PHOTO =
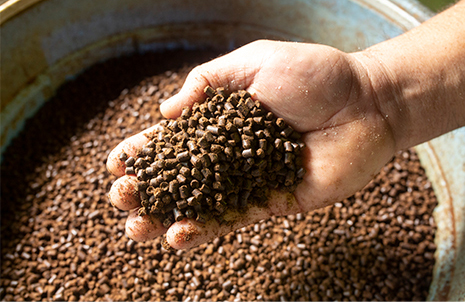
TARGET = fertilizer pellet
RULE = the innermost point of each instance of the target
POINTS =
(62, 240)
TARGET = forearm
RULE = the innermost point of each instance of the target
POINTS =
(419, 78)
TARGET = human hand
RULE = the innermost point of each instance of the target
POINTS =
(321, 92)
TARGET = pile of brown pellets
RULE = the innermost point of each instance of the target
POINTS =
(223, 153)
(62, 240)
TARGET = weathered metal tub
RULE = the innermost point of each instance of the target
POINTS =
(46, 42)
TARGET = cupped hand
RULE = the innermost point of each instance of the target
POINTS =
(323, 93)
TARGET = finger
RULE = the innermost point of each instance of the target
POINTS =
(189, 233)
(130, 146)
(143, 228)
(124, 194)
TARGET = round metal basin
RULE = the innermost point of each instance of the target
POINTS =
(46, 42)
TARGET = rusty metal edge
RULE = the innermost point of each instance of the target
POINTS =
(11, 8)
(445, 237)
(403, 13)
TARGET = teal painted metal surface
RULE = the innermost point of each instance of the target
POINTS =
(444, 161)
(49, 41)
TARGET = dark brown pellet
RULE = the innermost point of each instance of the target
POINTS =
(219, 206)
(288, 146)
(247, 143)
(213, 156)
(184, 192)
(130, 171)
(203, 142)
(192, 201)
(248, 131)
(164, 186)
(196, 161)
(168, 222)
(194, 184)
(205, 189)
(205, 160)
(141, 175)
(222, 121)
(300, 173)
(221, 140)
(183, 156)
(168, 205)
(209, 91)
(260, 134)
(181, 204)
(207, 175)
(190, 213)
(280, 123)
(174, 185)
(130, 161)
(228, 106)
(178, 215)
(216, 149)
(248, 153)
(228, 151)
(287, 132)
(150, 171)
(168, 152)
(201, 218)
(150, 190)
(160, 164)
(213, 129)
(196, 174)
(218, 185)
(209, 136)
(197, 194)
(184, 171)
(123, 156)
(278, 144)
(140, 163)
(288, 157)
(181, 179)
(146, 152)
(186, 112)
(170, 163)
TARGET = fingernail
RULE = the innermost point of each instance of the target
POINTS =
(143, 228)
(123, 193)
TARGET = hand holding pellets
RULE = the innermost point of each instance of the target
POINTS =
(315, 89)
(224, 153)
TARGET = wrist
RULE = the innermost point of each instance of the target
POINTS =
(385, 93)
(418, 78)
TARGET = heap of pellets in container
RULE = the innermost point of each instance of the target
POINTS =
(223, 154)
